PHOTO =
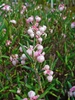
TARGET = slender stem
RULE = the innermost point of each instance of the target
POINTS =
(38, 78)
(51, 3)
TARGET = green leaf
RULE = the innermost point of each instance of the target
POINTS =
(28, 86)
(18, 97)
(28, 68)
(3, 56)
(5, 88)
(12, 91)
(47, 90)
(69, 84)
(54, 63)
(53, 94)
(59, 55)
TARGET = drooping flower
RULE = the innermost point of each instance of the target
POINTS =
(30, 31)
(46, 67)
(72, 89)
(30, 19)
(14, 59)
(50, 78)
(61, 7)
(38, 19)
(13, 21)
(39, 47)
(30, 50)
(40, 58)
(40, 40)
(23, 57)
(31, 94)
(8, 42)
(73, 25)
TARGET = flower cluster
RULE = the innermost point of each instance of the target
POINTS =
(35, 52)
(32, 96)
(14, 59)
(48, 72)
(23, 58)
(36, 30)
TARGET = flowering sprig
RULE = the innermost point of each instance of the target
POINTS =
(48, 72)
(32, 96)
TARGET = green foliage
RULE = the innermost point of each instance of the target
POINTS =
(59, 48)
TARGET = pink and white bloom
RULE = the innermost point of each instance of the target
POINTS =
(40, 40)
(30, 31)
(30, 50)
(34, 27)
(72, 89)
(23, 57)
(8, 42)
(38, 33)
(40, 58)
(50, 78)
(30, 19)
(13, 21)
(32, 35)
(64, 17)
(73, 25)
(20, 49)
(39, 47)
(42, 28)
(37, 53)
(14, 62)
(38, 19)
(14, 59)
(23, 9)
(61, 7)
(6, 8)
(31, 94)
(49, 72)
(34, 97)
(46, 67)
(22, 62)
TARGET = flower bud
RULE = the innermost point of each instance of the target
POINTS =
(39, 47)
(14, 62)
(38, 19)
(31, 94)
(22, 62)
(38, 33)
(40, 58)
(23, 56)
(32, 35)
(49, 78)
(30, 31)
(40, 39)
